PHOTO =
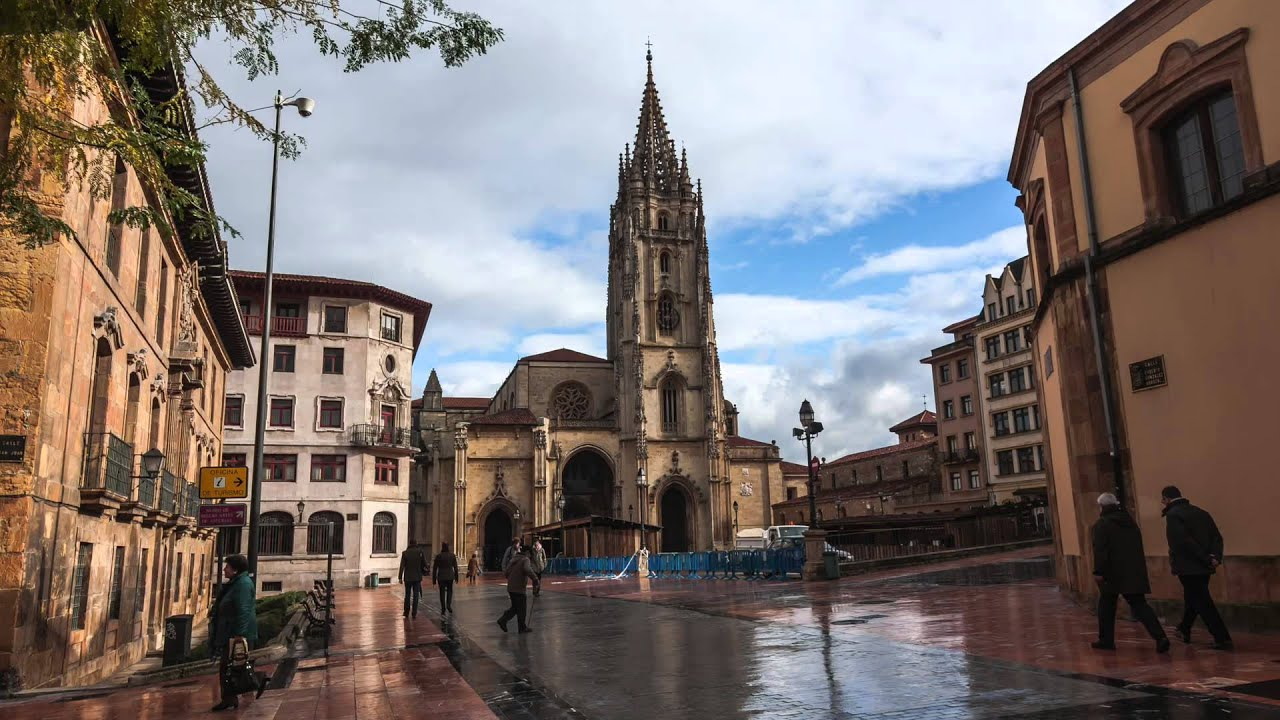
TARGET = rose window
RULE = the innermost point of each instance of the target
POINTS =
(572, 402)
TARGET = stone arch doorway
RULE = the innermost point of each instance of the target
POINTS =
(499, 530)
(675, 517)
(587, 481)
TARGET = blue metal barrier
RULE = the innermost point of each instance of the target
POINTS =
(775, 564)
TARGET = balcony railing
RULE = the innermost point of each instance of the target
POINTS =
(279, 325)
(169, 487)
(954, 457)
(108, 462)
(193, 501)
(147, 492)
(958, 344)
(381, 436)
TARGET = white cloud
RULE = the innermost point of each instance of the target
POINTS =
(590, 343)
(1001, 246)
(472, 378)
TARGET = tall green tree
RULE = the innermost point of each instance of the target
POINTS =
(54, 53)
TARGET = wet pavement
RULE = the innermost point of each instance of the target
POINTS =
(978, 638)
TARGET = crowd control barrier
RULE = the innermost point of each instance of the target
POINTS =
(778, 564)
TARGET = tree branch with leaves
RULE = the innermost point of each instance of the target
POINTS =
(57, 53)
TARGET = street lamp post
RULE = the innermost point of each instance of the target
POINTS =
(642, 488)
(735, 522)
(808, 430)
(305, 107)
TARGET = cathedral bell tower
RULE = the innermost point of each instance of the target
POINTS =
(662, 341)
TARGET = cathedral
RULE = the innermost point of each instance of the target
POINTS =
(643, 438)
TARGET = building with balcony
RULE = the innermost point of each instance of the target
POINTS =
(114, 341)
(1009, 406)
(1148, 162)
(961, 431)
(339, 427)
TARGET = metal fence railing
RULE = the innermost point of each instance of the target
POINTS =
(193, 501)
(147, 492)
(778, 564)
(108, 462)
(169, 487)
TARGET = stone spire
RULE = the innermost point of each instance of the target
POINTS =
(654, 160)
(433, 394)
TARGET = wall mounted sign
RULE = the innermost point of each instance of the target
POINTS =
(224, 482)
(225, 515)
(1147, 374)
(13, 448)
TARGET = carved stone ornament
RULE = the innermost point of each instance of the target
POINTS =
(675, 462)
(105, 325)
(557, 450)
(460, 437)
(187, 314)
(745, 489)
(160, 386)
(499, 482)
(540, 439)
(137, 362)
(572, 401)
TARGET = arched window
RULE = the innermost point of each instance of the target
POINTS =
(384, 533)
(275, 536)
(664, 263)
(571, 401)
(318, 533)
(115, 230)
(156, 419)
(668, 316)
(664, 221)
(131, 410)
(670, 392)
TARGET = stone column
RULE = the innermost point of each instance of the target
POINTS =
(815, 544)
(541, 506)
(460, 488)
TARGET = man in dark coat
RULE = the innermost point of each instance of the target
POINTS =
(235, 615)
(413, 566)
(519, 572)
(1195, 552)
(444, 572)
(1120, 567)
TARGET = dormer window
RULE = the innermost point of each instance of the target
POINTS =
(991, 312)
(1010, 305)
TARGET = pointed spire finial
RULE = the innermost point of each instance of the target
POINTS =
(648, 54)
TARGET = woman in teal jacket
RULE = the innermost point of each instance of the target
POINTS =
(235, 615)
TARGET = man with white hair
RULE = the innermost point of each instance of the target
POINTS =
(1120, 567)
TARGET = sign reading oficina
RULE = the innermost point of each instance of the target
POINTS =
(224, 482)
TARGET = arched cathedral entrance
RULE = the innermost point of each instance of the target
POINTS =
(588, 485)
(499, 529)
(674, 509)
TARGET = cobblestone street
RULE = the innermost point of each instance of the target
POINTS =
(982, 638)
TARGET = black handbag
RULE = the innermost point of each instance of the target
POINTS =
(239, 677)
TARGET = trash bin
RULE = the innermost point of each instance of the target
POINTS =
(371, 581)
(177, 639)
(830, 566)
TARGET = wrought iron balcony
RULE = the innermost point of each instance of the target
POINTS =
(956, 457)
(193, 501)
(147, 492)
(108, 465)
(289, 326)
(169, 489)
(382, 436)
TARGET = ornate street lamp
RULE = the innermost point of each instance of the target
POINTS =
(302, 507)
(560, 507)
(735, 522)
(642, 489)
(153, 463)
(808, 430)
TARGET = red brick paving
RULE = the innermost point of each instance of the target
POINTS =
(1029, 622)
(380, 666)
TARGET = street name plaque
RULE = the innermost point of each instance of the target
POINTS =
(13, 448)
(1147, 374)
(225, 515)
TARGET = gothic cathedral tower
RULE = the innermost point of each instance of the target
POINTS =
(662, 341)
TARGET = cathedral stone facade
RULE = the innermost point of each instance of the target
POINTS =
(644, 435)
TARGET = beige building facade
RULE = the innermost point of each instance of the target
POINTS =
(113, 342)
(642, 435)
(1008, 403)
(339, 441)
(1148, 161)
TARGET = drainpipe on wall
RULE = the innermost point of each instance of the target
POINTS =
(1091, 280)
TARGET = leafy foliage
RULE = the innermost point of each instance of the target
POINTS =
(58, 57)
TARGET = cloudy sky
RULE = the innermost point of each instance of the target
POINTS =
(853, 157)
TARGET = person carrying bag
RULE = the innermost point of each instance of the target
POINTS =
(234, 632)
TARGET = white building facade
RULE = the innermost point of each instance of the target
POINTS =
(339, 443)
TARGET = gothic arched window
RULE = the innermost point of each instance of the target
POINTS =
(664, 221)
(664, 263)
(668, 316)
(572, 401)
(670, 393)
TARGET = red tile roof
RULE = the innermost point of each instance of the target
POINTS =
(924, 418)
(284, 284)
(736, 441)
(790, 468)
(883, 451)
(563, 355)
(466, 403)
(514, 416)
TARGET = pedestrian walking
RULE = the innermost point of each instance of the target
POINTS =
(444, 571)
(539, 558)
(1195, 552)
(519, 573)
(473, 567)
(1120, 567)
(511, 552)
(413, 567)
(235, 618)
